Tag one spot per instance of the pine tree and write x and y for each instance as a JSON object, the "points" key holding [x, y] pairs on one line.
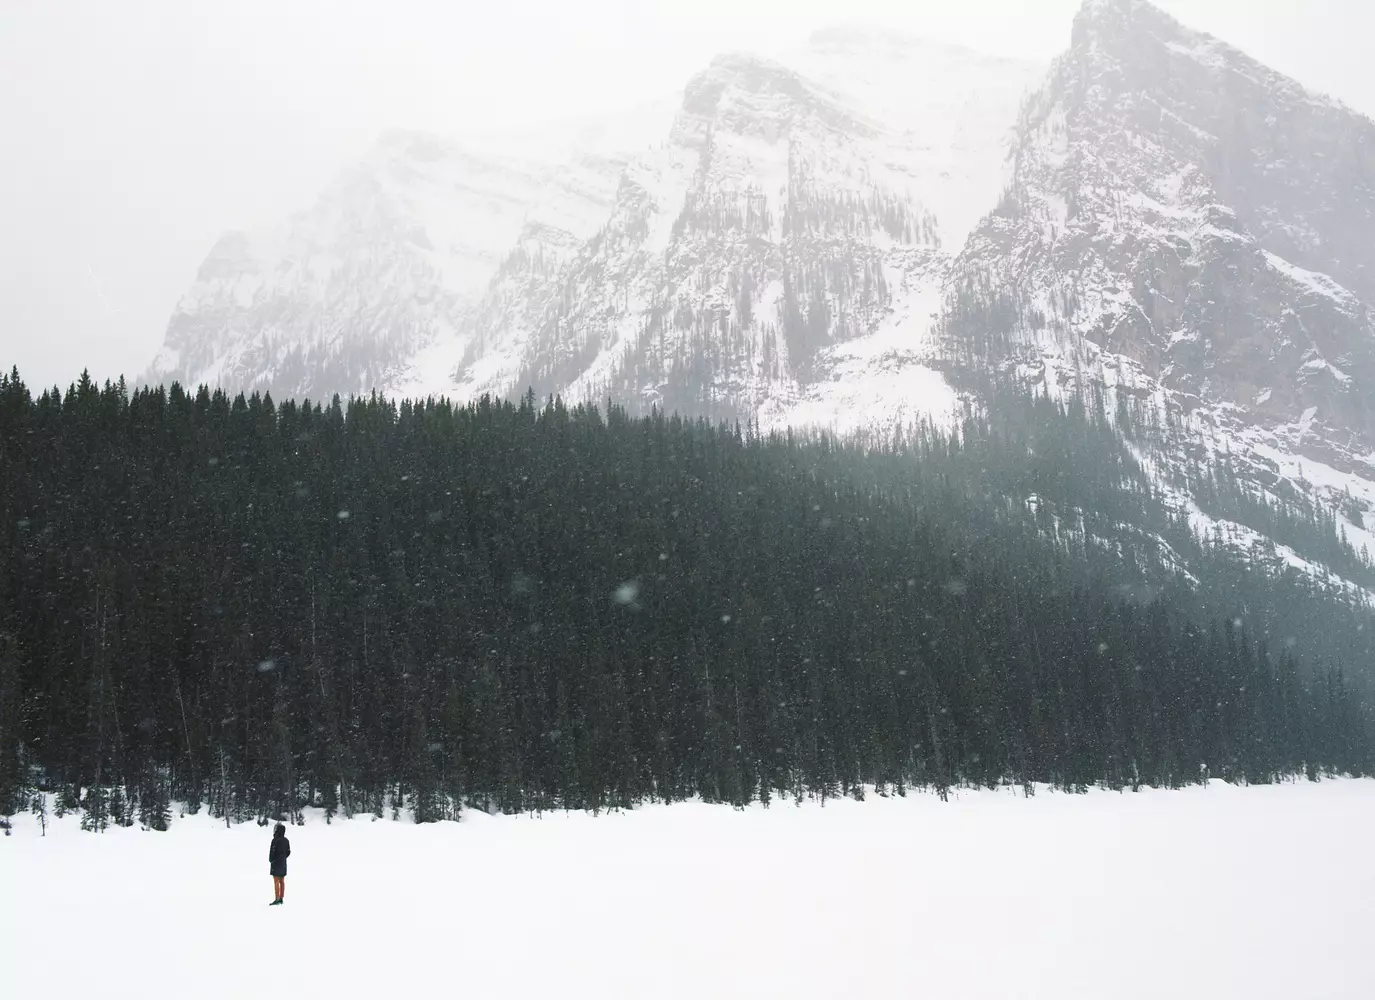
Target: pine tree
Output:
{"points": [[155, 811], [39, 807]]}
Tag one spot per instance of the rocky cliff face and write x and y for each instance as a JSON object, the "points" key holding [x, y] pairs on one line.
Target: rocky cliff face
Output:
{"points": [[757, 235], [1197, 222], [784, 214], [1181, 241]]}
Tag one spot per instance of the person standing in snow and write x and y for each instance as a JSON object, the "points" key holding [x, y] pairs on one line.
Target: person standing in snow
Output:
{"points": [[276, 857]]}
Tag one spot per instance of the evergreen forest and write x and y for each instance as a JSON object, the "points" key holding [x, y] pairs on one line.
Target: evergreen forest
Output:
{"points": [[417, 608]]}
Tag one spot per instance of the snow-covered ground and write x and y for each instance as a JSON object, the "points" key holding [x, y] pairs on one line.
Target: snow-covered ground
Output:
{"points": [[1210, 893]]}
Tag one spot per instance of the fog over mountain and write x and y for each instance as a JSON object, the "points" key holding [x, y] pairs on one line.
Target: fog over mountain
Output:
{"points": [[859, 233], [139, 134]]}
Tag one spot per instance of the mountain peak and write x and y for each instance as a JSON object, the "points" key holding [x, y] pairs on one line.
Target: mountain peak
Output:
{"points": [[1109, 12], [741, 71], [751, 93], [1118, 25], [1134, 43], [1225, 210]]}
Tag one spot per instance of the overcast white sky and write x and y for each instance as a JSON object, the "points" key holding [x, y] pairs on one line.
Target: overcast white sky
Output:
{"points": [[134, 132]]}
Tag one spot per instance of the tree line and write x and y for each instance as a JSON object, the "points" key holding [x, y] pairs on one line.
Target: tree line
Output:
{"points": [[380, 606]]}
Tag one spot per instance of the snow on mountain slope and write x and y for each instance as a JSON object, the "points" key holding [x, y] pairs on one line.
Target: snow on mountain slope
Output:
{"points": [[715, 236], [840, 237], [884, 898], [1187, 231], [382, 262], [385, 265], [1176, 203], [881, 380], [564, 262], [951, 110], [789, 213]]}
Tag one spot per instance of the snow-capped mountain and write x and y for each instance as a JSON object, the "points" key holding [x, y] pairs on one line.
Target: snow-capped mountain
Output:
{"points": [[861, 233], [784, 212], [1190, 231], [388, 262], [1179, 206], [696, 256]]}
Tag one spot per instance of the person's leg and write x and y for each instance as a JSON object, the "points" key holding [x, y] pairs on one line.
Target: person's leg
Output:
{"points": [[281, 887], [276, 887]]}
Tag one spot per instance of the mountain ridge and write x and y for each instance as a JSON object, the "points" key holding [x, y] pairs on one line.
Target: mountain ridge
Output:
{"points": [[863, 232]]}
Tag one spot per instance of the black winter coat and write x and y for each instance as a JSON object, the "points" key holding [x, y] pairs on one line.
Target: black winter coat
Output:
{"points": [[277, 855]]}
